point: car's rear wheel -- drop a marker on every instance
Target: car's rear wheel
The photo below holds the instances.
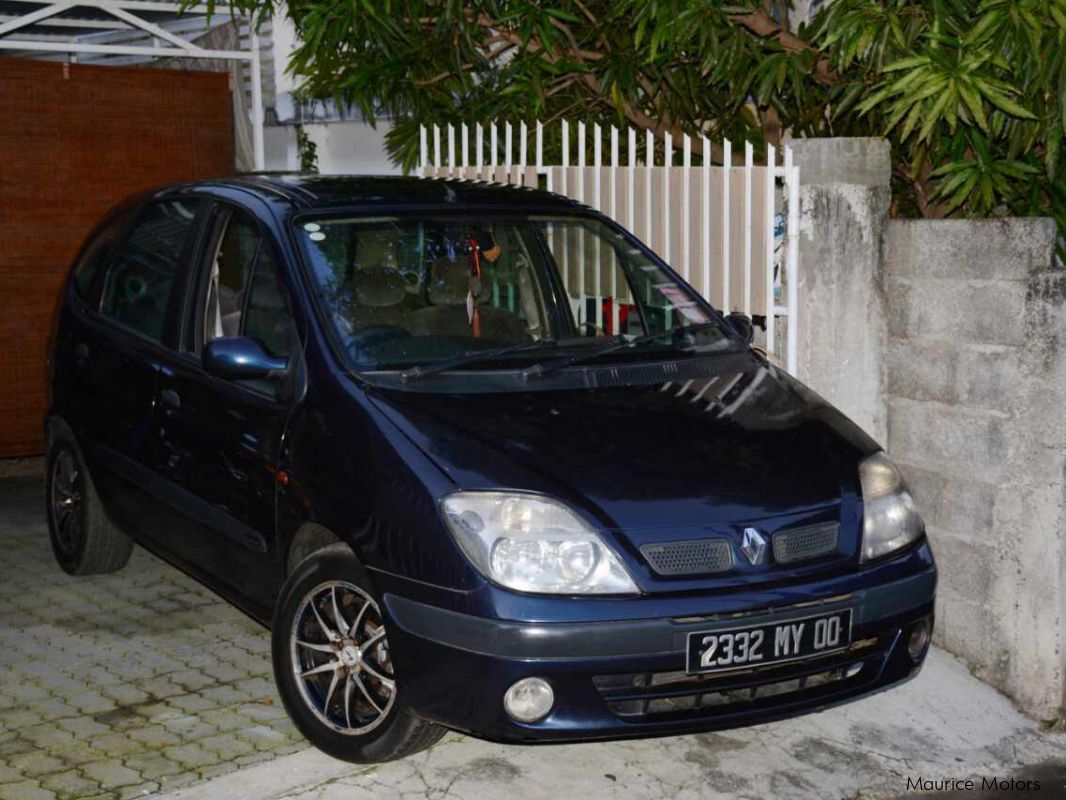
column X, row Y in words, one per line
column 84, row 540
column 333, row 667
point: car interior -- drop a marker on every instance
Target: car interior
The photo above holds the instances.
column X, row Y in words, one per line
column 244, row 296
column 417, row 281
column 228, row 280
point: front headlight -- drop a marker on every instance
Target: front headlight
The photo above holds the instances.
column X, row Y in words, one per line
column 533, row 544
column 890, row 520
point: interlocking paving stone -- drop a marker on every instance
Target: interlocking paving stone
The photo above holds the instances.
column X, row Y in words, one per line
column 69, row 783
column 25, row 790
column 36, row 763
column 110, row 774
column 153, row 765
column 122, row 686
column 227, row 747
column 83, row 727
column 140, row 790
column 155, row 736
column 192, row 755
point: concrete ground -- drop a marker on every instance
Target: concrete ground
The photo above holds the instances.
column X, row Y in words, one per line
column 143, row 683
column 943, row 725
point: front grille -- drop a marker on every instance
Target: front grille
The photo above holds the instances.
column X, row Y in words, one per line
column 652, row 696
column 803, row 544
column 694, row 557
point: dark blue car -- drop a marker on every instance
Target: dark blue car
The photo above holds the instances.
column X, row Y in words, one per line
column 479, row 459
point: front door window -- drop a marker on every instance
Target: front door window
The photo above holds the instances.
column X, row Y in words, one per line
column 242, row 294
column 230, row 275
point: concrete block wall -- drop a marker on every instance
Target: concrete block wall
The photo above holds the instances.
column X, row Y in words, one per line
column 844, row 200
column 975, row 382
column 946, row 341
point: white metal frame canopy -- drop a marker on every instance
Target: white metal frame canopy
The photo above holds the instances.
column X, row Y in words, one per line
column 65, row 26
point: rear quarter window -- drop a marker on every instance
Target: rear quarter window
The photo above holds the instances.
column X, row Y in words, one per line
column 95, row 254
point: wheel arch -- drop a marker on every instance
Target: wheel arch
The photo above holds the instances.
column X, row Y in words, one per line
column 55, row 424
column 309, row 538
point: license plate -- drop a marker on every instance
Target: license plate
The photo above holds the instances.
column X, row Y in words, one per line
column 772, row 643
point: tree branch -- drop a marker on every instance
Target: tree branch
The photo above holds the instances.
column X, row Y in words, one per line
column 638, row 118
column 762, row 24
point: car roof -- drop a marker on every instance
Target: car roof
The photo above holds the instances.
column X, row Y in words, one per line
column 306, row 192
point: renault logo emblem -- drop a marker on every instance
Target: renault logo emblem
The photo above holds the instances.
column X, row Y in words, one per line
column 753, row 546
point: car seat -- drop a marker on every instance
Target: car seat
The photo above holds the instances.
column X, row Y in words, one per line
column 447, row 315
column 378, row 298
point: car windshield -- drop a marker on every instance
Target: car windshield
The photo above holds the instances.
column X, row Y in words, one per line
column 410, row 291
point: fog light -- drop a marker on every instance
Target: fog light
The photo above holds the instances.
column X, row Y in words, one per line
column 529, row 699
column 919, row 638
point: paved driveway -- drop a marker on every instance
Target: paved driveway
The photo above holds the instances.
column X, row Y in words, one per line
column 142, row 682
column 119, row 685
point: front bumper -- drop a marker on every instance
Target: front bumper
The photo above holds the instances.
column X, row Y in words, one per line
column 625, row 678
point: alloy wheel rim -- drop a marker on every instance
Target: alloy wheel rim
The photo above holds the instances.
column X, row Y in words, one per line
column 66, row 501
column 340, row 658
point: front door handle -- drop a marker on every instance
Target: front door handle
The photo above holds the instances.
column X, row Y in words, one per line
column 170, row 399
column 81, row 354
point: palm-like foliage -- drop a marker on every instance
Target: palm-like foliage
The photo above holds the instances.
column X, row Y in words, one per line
column 972, row 94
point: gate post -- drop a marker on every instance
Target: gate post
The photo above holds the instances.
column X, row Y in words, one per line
column 844, row 201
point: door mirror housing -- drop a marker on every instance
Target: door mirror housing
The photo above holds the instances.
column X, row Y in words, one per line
column 743, row 325
column 241, row 358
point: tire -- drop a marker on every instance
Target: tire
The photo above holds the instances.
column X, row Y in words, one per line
column 84, row 540
column 335, row 678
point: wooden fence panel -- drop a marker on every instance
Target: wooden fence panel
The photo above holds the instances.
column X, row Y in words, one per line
column 74, row 141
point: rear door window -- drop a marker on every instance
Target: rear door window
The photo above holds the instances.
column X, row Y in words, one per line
column 139, row 282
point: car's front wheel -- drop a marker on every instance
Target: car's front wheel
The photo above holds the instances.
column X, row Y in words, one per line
column 333, row 667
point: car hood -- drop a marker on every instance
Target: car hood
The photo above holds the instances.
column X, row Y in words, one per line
column 731, row 446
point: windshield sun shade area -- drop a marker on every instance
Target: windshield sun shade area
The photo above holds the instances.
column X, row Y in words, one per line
column 406, row 291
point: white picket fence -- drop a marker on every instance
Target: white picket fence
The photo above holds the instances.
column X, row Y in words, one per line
column 718, row 225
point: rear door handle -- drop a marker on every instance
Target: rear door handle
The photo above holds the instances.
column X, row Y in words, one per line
column 81, row 353
column 170, row 399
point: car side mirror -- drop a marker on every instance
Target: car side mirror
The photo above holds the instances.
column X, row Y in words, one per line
column 743, row 325
column 241, row 358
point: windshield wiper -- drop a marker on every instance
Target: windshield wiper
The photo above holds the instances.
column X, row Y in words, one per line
column 616, row 344
column 471, row 357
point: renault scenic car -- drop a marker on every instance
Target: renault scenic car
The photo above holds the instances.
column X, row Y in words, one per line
column 479, row 459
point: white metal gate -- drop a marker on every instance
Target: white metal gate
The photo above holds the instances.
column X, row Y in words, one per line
column 732, row 231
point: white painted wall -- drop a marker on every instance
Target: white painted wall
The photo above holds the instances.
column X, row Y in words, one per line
column 351, row 148
column 344, row 148
column 803, row 11
column 282, row 43
column 279, row 145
